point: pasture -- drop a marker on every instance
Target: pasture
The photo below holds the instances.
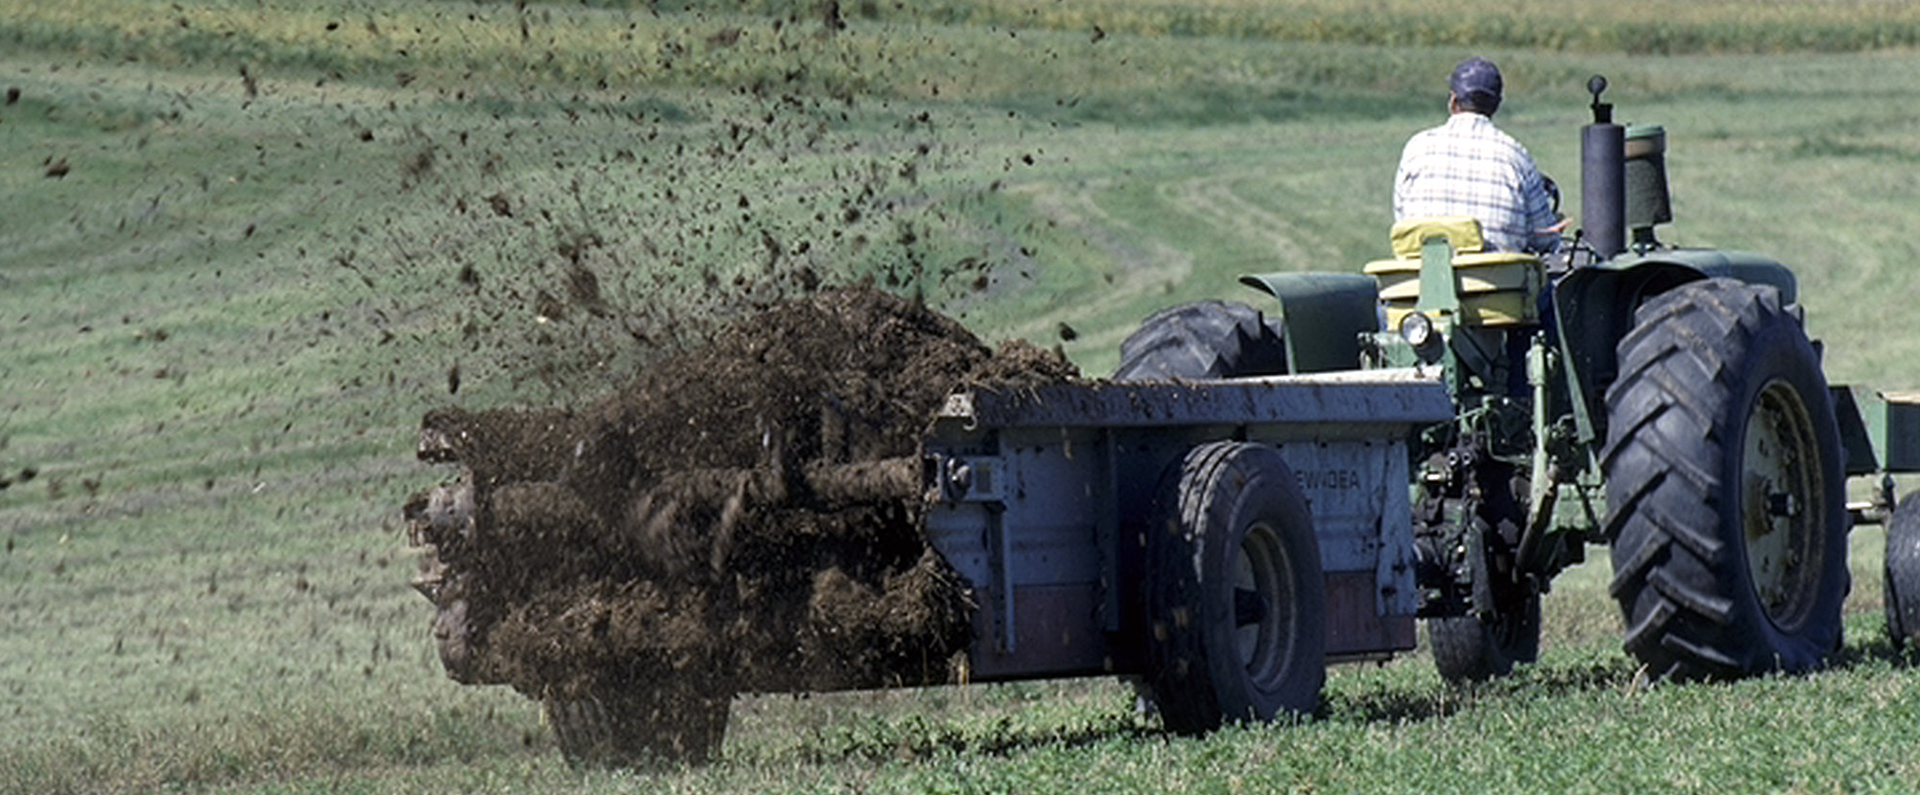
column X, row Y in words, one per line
column 245, row 244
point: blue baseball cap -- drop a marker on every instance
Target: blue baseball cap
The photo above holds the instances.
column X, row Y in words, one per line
column 1477, row 81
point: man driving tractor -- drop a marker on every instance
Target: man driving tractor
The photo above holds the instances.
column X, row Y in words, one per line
column 1467, row 166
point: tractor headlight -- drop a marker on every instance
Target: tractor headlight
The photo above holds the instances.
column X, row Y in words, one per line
column 1417, row 329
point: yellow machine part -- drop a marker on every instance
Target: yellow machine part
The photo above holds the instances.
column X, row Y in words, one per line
column 1495, row 288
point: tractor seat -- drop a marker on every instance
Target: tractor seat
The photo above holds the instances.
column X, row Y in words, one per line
column 1493, row 288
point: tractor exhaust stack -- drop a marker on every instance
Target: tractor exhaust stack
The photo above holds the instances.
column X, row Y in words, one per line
column 1603, row 178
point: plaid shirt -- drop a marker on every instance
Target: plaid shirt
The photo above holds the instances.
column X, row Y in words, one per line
column 1469, row 167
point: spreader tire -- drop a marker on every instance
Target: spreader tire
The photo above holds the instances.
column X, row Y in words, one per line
column 1206, row 339
column 1726, row 502
column 1236, row 598
column 1903, row 572
column 613, row 728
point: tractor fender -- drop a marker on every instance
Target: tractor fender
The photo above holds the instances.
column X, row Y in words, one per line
column 1593, row 307
column 1322, row 316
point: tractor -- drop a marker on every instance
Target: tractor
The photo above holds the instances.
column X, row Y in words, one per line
column 1666, row 402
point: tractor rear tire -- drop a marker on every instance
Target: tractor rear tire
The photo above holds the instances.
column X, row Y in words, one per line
column 1903, row 573
column 1725, row 493
column 1206, row 339
column 1236, row 597
column 1466, row 649
column 614, row 727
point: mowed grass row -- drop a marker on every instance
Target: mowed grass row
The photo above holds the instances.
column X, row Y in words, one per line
column 489, row 36
column 871, row 49
column 222, row 316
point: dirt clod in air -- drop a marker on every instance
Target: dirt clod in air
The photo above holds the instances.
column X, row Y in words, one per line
column 744, row 516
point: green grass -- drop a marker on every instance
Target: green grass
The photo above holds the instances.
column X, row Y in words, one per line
column 220, row 325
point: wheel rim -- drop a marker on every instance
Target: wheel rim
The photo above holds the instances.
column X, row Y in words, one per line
column 1782, row 504
column 1262, row 613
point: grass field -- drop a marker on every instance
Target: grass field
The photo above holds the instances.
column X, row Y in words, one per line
column 244, row 245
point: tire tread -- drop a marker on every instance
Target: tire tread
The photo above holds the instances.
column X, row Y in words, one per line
column 1680, row 368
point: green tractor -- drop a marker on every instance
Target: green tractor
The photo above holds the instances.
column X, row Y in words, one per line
column 1666, row 402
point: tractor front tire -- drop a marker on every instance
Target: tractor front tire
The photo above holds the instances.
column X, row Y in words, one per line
column 1467, row 649
column 1476, row 648
column 1725, row 494
column 1903, row 573
column 1236, row 597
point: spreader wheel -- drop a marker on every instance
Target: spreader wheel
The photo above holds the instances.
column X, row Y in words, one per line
column 1237, row 601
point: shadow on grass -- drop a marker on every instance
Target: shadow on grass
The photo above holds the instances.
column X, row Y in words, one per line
column 1877, row 649
column 1401, row 697
column 1427, row 699
column 1424, row 699
column 1396, row 701
column 920, row 738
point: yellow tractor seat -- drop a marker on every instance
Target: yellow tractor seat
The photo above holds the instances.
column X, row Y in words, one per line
column 1494, row 288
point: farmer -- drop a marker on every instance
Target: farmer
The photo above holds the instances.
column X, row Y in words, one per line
column 1469, row 167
